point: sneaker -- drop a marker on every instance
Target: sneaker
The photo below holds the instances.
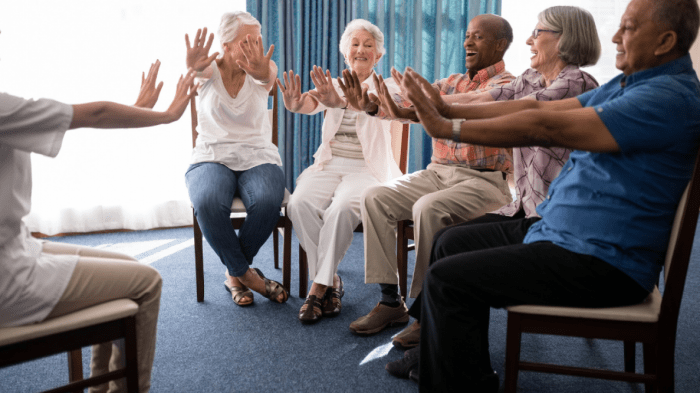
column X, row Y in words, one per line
column 402, row 368
column 409, row 337
column 380, row 317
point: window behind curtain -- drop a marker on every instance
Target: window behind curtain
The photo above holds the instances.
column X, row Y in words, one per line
column 77, row 51
column 522, row 15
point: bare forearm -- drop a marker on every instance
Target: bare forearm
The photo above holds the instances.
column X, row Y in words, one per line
column 104, row 114
column 490, row 110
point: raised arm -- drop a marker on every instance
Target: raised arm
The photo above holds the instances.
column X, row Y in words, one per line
column 512, row 123
column 294, row 101
column 105, row 114
column 258, row 65
column 198, row 57
column 149, row 93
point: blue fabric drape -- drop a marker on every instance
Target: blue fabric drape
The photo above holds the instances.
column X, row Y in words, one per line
column 424, row 34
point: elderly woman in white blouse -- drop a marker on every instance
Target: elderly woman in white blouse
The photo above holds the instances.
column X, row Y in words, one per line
column 234, row 154
column 355, row 153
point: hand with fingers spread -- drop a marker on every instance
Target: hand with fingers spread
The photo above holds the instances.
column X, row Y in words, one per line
column 148, row 95
column 440, row 105
column 184, row 91
column 388, row 106
column 325, row 92
column 257, row 64
column 421, row 94
column 356, row 93
column 291, row 91
column 198, row 54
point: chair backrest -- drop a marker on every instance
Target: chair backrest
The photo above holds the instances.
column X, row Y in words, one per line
column 679, row 249
column 399, row 144
column 272, row 112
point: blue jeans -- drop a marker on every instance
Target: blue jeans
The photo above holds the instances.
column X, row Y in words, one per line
column 212, row 187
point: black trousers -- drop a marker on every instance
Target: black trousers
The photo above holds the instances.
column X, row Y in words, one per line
column 482, row 264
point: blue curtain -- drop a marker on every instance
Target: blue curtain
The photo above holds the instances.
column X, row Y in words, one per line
column 424, row 34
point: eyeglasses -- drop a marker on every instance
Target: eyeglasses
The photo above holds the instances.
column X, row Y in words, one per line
column 537, row 32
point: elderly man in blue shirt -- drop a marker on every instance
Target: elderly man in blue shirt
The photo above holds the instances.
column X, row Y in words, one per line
column 607, row 217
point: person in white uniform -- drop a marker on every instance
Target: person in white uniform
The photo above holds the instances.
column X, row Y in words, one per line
column 355, row 153
column 41, row 280
column 234, row 154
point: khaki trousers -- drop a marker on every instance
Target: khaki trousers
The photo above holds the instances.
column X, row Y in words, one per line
column 325, row 210
column 101, row 276
column 433, row 198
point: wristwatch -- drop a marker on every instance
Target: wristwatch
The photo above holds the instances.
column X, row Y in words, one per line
column 457, row 129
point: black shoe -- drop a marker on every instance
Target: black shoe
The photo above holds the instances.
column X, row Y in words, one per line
column 402, row 368
column 414, row 375
column 488, row 383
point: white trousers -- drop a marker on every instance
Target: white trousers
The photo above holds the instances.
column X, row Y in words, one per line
column 101, row 276
column 325, row 210
column 433, row 198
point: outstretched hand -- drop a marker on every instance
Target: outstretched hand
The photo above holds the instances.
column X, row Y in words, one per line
column 421, row 94
column 198, row 54
column 430, row 91
column 325, row 92
column 148, row 95
column 389, row 106
column 291, row 91
column 183, row 93
column 257, row 64
column 356, row 93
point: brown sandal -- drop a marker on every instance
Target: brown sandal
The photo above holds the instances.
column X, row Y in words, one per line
column 238, row 294
column 310, row 312
column 273, row 289
column 331, row 301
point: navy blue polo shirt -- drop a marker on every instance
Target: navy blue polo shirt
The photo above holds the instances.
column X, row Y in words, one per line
column 619, row 207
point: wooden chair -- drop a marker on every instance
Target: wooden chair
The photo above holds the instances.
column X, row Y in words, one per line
column 399, row 147
column 69, row 333
column 652, row 322
column 238, row 215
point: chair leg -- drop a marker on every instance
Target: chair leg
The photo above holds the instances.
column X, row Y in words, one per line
column 198, row 259
column 402, row 256
column 132, row 376
column 650, row 366
column 665, row 367
column 513, row 337
column 276, row 247
column 75, row 366
column 629, row 356
column 287, row 257
column 303, row 273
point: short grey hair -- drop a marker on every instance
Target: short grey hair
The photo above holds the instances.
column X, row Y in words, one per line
column 579, row 43
column 681, row 16
column 358, row 24
column 231, row 22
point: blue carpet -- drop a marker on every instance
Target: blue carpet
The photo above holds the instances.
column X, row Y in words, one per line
column 216, row 346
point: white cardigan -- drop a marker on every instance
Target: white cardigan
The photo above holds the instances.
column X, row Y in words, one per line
column 374, row 135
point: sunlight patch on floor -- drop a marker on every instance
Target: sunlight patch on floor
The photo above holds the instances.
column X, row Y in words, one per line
column 377, row 353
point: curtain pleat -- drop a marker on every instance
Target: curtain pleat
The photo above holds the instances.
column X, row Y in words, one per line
column 426, row 35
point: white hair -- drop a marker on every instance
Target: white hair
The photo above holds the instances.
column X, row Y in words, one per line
column 358, row 24
column 231, row 22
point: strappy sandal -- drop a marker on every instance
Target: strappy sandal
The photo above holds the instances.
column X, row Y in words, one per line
column 238, row 294
column 331, row 300
column 310, row 312
column 273, row 289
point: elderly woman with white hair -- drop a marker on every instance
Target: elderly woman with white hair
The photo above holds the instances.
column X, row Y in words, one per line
column 233, row 154
column 355, row 153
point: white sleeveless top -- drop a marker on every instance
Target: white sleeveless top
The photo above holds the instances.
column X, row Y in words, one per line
column 235, row 132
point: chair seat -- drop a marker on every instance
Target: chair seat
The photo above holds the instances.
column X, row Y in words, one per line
column 105, row 312
column 237, row 206
column 646, row 311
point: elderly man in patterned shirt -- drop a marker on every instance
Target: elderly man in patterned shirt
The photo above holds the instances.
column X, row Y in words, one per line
column 463, row 181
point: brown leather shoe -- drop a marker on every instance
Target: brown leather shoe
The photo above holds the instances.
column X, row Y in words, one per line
column 380, row 317
column 409, row 337
column 331, row 300
column 310, row 311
